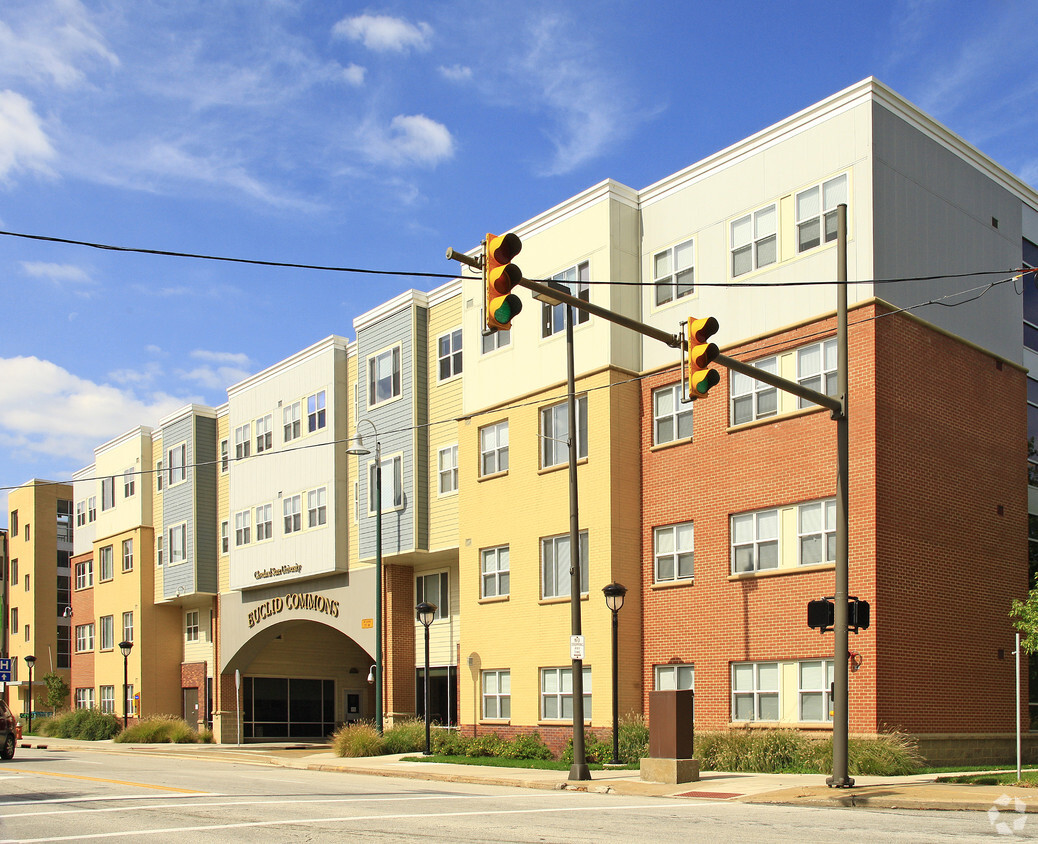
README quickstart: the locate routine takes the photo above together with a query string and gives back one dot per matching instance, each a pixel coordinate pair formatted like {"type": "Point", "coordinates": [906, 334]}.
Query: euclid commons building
{"type": "Point", "coordinates": [235, 546]}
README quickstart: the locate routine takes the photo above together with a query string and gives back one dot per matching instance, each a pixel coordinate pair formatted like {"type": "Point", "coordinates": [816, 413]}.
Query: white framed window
{"type": "Point", "coordinates": [177, 544]}
{"type": "Point", "coordinates": [752, 399]}
{"type": "Point", "coordinates": [448, 351]}
{"type": "Point", "coordinates": [671, 420]}
{"type": "Point", "coordinates": [816, 368]}
{"type": "Point", "coordinates": [557, 694]}
{"type": "Point", "coordinates": [91, 509]}
{"type": "Point", "coordinates": [575, 280]}
{"type": "Point", "coordinates": [670, 677]}
{"type": "Point", "coordinates": [225, 537]}
{"type": "Point", "coordinates": [127, 626]}
{"type": "Point", "coordinates": [107, 495]}
{"type": "Point", "coordinates": [754, 240]}
{"type": "Point", "coordinates": [127, 555]}
{"type": "Point", "coordinates": [292, 507]}
{"type": "Point", "coordinates": [392, 484]}
{"type": "Point", "coordinates": [815, 677]}
{"type": "Point", "coordinates": [84, 638]}
{"type": "Point", "coordinates": [673, 272]}
{"type": "Point", "coordinates": [81, 511]}
{"type": "Point", "coordinates": [497, 695]}
{"type": "Point", "coordinates": [265, 522]}
{"type": "Point", "coordinates": [495, 340]}
{"type": "Point", "coordinates": [755, 541]}
{"type": "Point", "coordinates": [84, 698]}
{"type": "Point", "coordinates": [674, 552]}
{"type": "Point", "coordinates": [755, 691]}
{"type": "Point", "coordinates": [494, 572]}
{"type": "Point", "coordinates": [316, 412]}
{"type": "Point", "coordinates": [317, 507]}
{"type": "Point", "coordinates": [158, 551]}
{"type": "Point", "coordinates": [225, 456]}
{"type": "Point", "coordinates": [129, 703]}
{"type": "Point", "coordinates": [493, 448]}
{"type": "Point", "coordinates": [176, 461]}
{"type": "Point", "coordinates": [384, 376]}
{"type": "Point", "coordinates": [555, 565]}
{"type": "Point", "coordinates": [106, 563]}
{"type": "Point", "coordinates": [129, 483]}
{"type": "Point", "coordinates": [264, 433]}
{"type": "Point", "coordinates": [555, 433]}
{"type": "Point", "coordinates": [242, 528]}
{"type": "Point", "coordinates": [447, 468]}
{"type": "Point", "coordinates": [191, 625]}
{"type": "Point", "coordinates": [816, 532]}
{"type": "Point", "coordinates": [291, 419]}
{"type": "Point", "coordinates": [107, 632]}
{"type": "Point", "coordinates": [434, 588]}
{"type": "Point", "coordinates": [159, 472]}
{"type": "Point", "coordinates": [107, 695]}
{"type": "Point", "coordinates": [243, 441]}
{"type": "Point", "coordinates": [85, 574]}
{"type": "Point", "coordinates": [816, 212]}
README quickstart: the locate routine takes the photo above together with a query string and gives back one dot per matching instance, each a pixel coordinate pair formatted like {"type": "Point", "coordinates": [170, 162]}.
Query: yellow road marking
{"type": "Point", "coordinates": [117, 782]}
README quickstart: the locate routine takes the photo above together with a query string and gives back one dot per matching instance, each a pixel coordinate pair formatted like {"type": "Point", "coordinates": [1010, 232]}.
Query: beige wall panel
{"type": "Point", "coordinates": [444, 404]}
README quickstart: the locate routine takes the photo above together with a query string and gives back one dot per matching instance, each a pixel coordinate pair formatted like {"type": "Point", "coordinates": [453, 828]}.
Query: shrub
{"type": "Point", "coordinates": [526, 746]}
{"type": "Point", "coordinates": [405, 736]}
{"type": "Point", "coordinates": [595, 749]}
{"type": "Point", "coordinates": [633, 738]}
{"type": "Point", "coordinates": [159, 729]}
{"type": "Point", "coordinates": [488, 744]}
{"type": "Point", "coordinates": [84, 724]}
{"type": "Point", "coordinates": [450, 742]}
{"type": "Point", "coordinates": [357, 739]}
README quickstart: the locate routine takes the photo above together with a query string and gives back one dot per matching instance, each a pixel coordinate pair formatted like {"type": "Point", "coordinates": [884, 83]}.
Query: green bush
{"type": "Point", "coordinates": [358, 739]}
{"type": "Point", "coordinates": [83, 724]}
{"type": "Point", "coordinates": [488, 744]}
{"type": "Point", "coordinates": [633, 739]}
{"type": "Point", "coordinates": [450, 742]}
{"type": "Point", "coordinates": [526, 746]}
{"type": "Point", "coordinates": [595, 749]}
{"type": "Point", "coordinates": [159, 729]}
{"type": "Point", "coordinates": [405, 736]}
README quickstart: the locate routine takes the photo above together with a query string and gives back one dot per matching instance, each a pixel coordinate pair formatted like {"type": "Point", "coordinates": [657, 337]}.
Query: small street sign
{"type": "Point", "coordinates": [5, 670]}
{"type": "Point", "coordinates": [576, 647]}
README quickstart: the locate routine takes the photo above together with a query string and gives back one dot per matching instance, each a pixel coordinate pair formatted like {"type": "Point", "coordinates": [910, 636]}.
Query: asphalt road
{"type": "Point", "coordinates": [79, 795]}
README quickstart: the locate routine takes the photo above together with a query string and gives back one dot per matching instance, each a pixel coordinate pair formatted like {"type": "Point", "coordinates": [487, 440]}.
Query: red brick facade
{"type": "Point", "coordinates": [82, 609]}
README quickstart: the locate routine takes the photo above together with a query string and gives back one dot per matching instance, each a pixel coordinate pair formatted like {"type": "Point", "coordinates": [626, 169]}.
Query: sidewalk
{"type": "Point", "coordinates": [919, 791]}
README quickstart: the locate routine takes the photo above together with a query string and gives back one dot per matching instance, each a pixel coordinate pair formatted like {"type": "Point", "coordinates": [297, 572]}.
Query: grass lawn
{"type": "Point", "coordinates": [500, 762]}
{"type": "Point", "coordinates": [1029, 778]}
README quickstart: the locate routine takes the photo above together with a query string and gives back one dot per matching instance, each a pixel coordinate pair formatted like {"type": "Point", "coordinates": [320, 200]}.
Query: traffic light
{"type": "Point", "coordinates": [500, 275]}
{"type": "Point", "coordinates": [858, 614]}
{"type": "Point", "coordinates": [821, 614]}
{"type": "Point", "coordinates": [700, 355]}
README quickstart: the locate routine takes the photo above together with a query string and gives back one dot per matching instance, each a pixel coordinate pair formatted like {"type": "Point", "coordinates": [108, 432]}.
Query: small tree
{"type": "Point", "coordinates": [57, 691]}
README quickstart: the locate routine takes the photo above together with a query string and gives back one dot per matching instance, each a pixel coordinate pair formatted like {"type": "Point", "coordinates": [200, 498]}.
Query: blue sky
{"type": "Point", "coordinates": [347, 134]}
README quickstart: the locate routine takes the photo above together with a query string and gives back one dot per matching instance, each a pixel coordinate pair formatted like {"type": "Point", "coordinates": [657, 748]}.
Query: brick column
{"type": "Point", "coordinates": [398, 653]}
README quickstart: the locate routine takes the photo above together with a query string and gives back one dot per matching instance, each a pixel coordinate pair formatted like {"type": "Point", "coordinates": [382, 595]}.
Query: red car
{"type": "Point", "coordinates": [10, 731]}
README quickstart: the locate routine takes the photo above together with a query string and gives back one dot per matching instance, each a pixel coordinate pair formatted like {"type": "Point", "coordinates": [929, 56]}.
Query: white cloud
{"type": "Point", "coordinates": [219, 371]}
{"type": "Point", "coordinates": [23, 143]}
{"type": "Point", "coordinates": [383, 33]}
{"type": "Point", "coordinates": [236, 358]}
{"type": "Point", "coordinates": [456, 73]}
{"type": "Point", "coordinates": [354, 74]}
{"type": "Point", "coordinates": [57, 273]}
{"type": "Point", "coordinates": [409, 139]}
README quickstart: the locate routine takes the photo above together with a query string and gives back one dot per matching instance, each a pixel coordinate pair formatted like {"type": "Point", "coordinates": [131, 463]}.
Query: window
{"type": "Point", "coordinates": [816, 368]}
{"type": "Point", "coordinates": [92, 508]}
{"type": "Point", "coordinates": [14, 572]}
{"type": "Point", "coordinates": [191, 626]}
{"type": "Point", "coordinates": [176, 461]}
{"type": "Point", "coordinates": [754, 240]}
{"type": "Point", "coordinates": [755, 691]}
{"type": "Point", "coordinates": [317, 507]}
{"type": "Point", "coordinates": [392, 485]}
{"type": "Point", "coordinates": [225, 539]}
{"type": "Point", "coordinates": [177, 544]}
{"type": "Point", "coordinates": [129, 702]}
{"type": "Point", "coordinates": [14, 619]}
{"type": "Point", "coordinates": [755, 541]}
{"type": "Point", "coordinates": [26, 583]}
{"type": "Point", "coordinates": [384, 376]}
{"type": "Point", "coordinates": [671, 420]}
{"type": "Point", "coordinates": [449, 353]}
{"type": "Point", "coordinates": [670, 677]}
{"type": "Point", "coordinates": [106, 563]}
{"type": "Point", "coordinates": [555, 433]}
{"type": "Point", "coordinates": [107, 493]}
{"type": "Point", "coordinates": [496, 340]}
{"type": "Point", "coordinates": [265, 522]}
{"type": "Point", "coordinates": [242, 441]}
{"type": "Point", "coordinates": [158, 551]}
{"type": "Point", "coordinates": [497, 695]}
{"type": "Point", "coordinates": [493, 448]}
{"type": "Point", "coordinates": [127, 627]}
{"type": "Point", "coordinates": [242, 528]}
{"type": "Point", "coordinates": [816, 530]}
{"type": "Point", "coordinates": [815, 675]}
{"type": "Point", "coordinates": [673, 273]}
{"type": "Point", "coordinates": [557, 694]}
{"type": "Point", "coordinates": [674, 552]}
{"type": "Point", "coordinates": [434, 589]}
{"type": "Point", "coordinates": [575, 280]}
{"type": "Point", "coordinates": [107, 694]}
{"type": "Point", "coordinates": [27, 636]}
{"type": "Point", "coordinates": [494, 572]}
{"type": "Point", "coordinates": [14, 523]}
{"type": "Point", "coordinates": [80, 513]}
{"type": "Point", "coordinates": [290, 417]}
{"type": "Point", "coordinates": [315, 412]}
{"type": "Point", "coordinates": [27, 524]}
{"type": "Point", "coordinates": [815, 208]}
{"type": "Point", "coordinates": [128, 483]}
{"type": "Point", "coordinates": [264, 433]}
{"type": "Point", "coordinates": [555, 565]}
{"type": "Point", "coordinates": [127, 555]}
{"type": "Point", "coordinates": [752, 399]}
{"type": "Point", "coordinates": [85, 574]}
{"type": "Point", "coordinates": [84, 698]}
{"type": "Point", "coordinates": [225, 455]}
{"type": "Point", "coordinates": [107, 632]}
{"type": "Point", "coordinates": [64, 641]}
{"type": "Point", "coordinates": [158, 476]}
{"type": "Point", "coordinates": [84, 638]}
{"type": "Point", "coordinates": [292, 506]}
{"type": "Point", "coordinates": [448, 469]}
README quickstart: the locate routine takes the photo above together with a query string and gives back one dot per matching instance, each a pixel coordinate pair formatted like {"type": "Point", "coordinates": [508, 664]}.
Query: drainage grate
{"type": "Point", "coordinates": [716, 795]}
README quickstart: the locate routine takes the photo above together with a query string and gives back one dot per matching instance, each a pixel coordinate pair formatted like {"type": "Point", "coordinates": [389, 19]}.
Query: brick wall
{"type": "Point", "coordinates": [398, 636]}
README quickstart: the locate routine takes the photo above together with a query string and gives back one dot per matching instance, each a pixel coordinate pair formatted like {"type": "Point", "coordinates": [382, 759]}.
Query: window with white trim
{"type": "Point", "coordinates": [317, 507]}
{"type": "Point", "coordinates": [493, 448]}
{"type": "Point", "coordinates": [177, 544]}
{"type": "Point", "coordinates": [392, 485]}
{"type": "Point", "coordinates": [447, 468]}
{"type": "Point", "coordinates": [264, 433]}
{"type": "Point", "coordinates": [316, 412]}
{"type": "Point", "coordinates": [494, 572]}
{"type": "Point", "coordinates": [81, 512]}
{"type": "Point", "coordinates": [158, 551]}
{"type": "Point", "coordinates": [107, 632]}
{"type": "Point", "coordinates": [495, 340]}
{"type": "Point", "coordinates": [225, 455]}
{"type": "Point", "coordinates": [673, 272]}
{"type": "Point", "coordinates": [242, 528]}
{"type": "Point", "coordinates": [497, 695]}
{"type": "Point", "coordinates": [816, 532]}
{"type": "Point", "coordinates": [291, 419]}
{"type": "Point", "coordinates": [127, 555]}
{"type": "Point", "coordinates": [84, 638]}
{"type": "Point", "coordinates": [127, 626]}
{"type": "Point", "coordinates": [85, 574]}
{"type": "Point", "coordinates": [292, 507]}
{"type": "Point", "coordinates": [755, 691]}
{"type": "Point", "coordinates": [448, 350]}
{"type": "Point", "coordinates": [816, 212]}
{"type": "Point", "coordinates": [129, 702]}
{"type": "Point", "coordinates": [384, 376]}
{"type": "Point", "coordinates": [555, 433]}
{"type": "Point", "coordinates": [674, 552]}
{"type": "Point", "coordinates": [191, 625]}
{"type": "Point", "coordinates": [555, 565]}
{"type": "Point", "coordinates": [815, 677]}
{"type": "Point", "coordinates": [557, 694]}
{"type": "Point", "coordinates": [754, 240]}
{"type": "Point", "coordinates": [107, 495]}
{"type": "Point", "coordinates": [159, 472]}
{"type": "Point", "coordinates": [671, 677]}
{"type": "Point", "coordinates": [129, 483]}
{"type": "Point", "coordinates": [434, 588]}
{"type": "Point", "coordinates": [176, 460]}
{"type": "Point", "coordinates": [84, 698]}
{"type": "Point", "coordinates": [225, 537]}
{"type": "Point", "coordinates": [575, 280]}
{"type": "Point", "coordinates": [671, 419]}
{"type": "Point", "coordinates": [755, 543]}
{"type": "Point", "coordinates": [243, 441]}
{"type": "Point", "coordinates": [107, 695]}
{"type": "Point", "coordinates": [816, 368]}
{"type": "Point", "coordinates": [264, 522]}
{"type": "Point", "coordinates": [106, 564]}
{"type": "Point", "coordinates": [91, 509]}
{"type": "Point", "coordinates": [752, 399]}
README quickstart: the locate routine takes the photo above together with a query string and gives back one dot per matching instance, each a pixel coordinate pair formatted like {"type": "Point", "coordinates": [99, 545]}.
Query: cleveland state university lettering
{"type": "Point", "coordinates": [294, 601]}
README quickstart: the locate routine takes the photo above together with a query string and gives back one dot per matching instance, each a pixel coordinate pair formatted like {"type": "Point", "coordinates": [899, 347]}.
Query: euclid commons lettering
{"type": "Point", "coordinates": [294, 601]}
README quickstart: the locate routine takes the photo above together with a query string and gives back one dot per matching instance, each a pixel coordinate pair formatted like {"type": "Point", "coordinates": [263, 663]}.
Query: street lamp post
{"type": "Point", "coordinates": [614, 598]}
{"type": "Point", "coordinates": [30, 661]}
{"type": "Point", "coordinates": [356, 447]}
{"type": "Point", "coordinates": [426, 612]}
{"type": "Point", "coordinates": [126, 647]}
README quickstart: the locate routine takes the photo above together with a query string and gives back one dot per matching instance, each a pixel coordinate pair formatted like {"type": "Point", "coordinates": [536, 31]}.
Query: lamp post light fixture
{"type": "Point", "coordinates": [356, 447]}
{"type": "Point", "coordinates": [125, 648]}
{"type": "Point", "coordinates": [30, 661]}
{"type": "Point", "coordinates": [425, 613]}
{"type": "Point", "coordinates": [614, 598]}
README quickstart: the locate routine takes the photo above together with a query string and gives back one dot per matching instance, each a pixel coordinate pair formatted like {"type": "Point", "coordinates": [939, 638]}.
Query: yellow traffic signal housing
{"type": "Point", "coordinates": [500, 276]}
{"type": "Point", "coordinates": [701, 353]}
